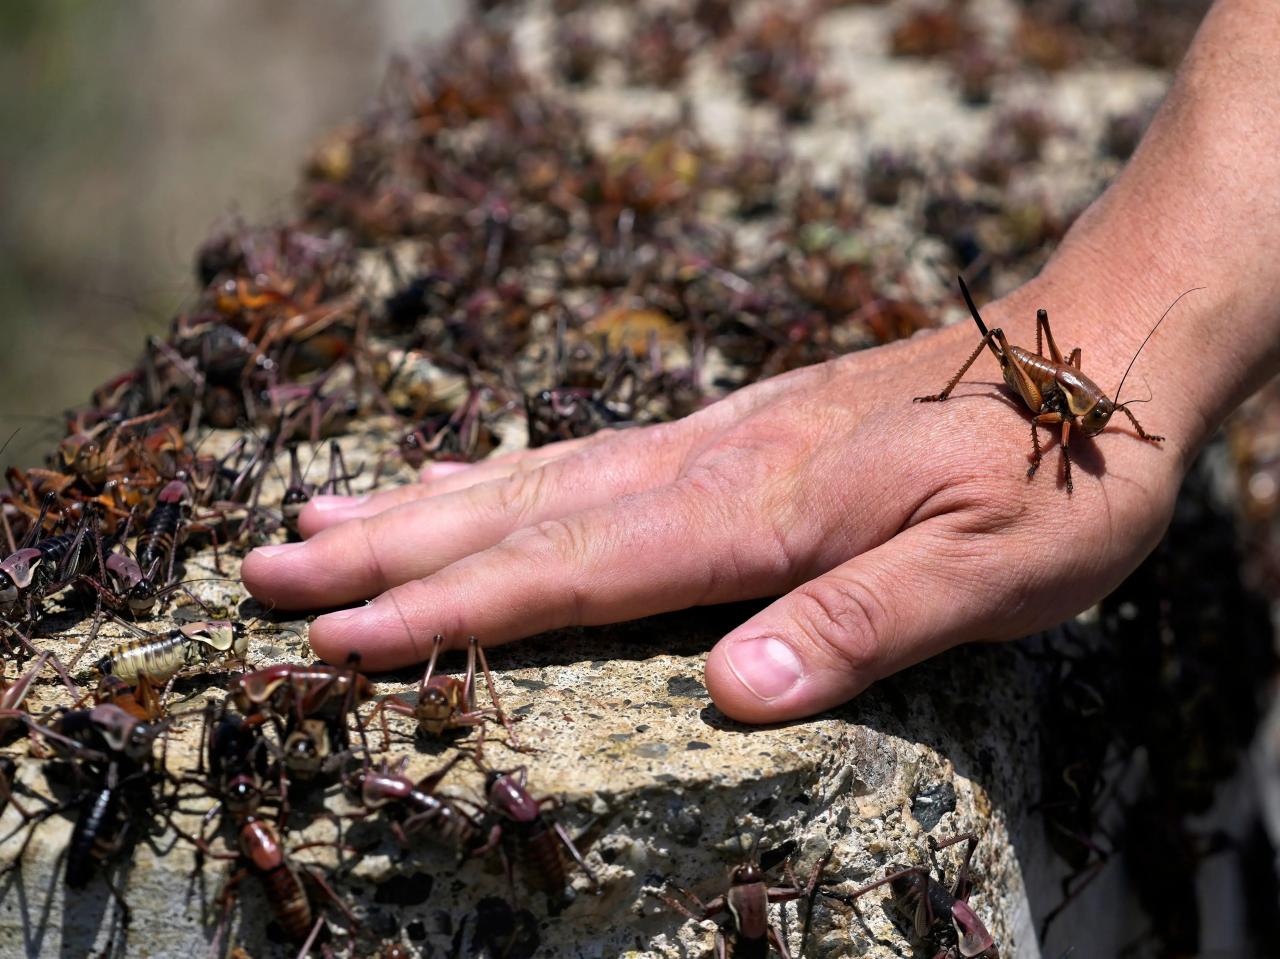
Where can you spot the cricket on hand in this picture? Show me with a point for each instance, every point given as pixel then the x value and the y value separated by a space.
pixel 1054 389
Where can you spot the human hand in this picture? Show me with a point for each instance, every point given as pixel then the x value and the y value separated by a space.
pixel 895 530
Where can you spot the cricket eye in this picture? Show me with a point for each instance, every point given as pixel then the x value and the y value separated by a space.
pixel 1096 419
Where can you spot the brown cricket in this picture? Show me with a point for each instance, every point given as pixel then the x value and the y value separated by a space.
pixel 446 702
pixel 1055 390
pixel 749 933
pixel 931 904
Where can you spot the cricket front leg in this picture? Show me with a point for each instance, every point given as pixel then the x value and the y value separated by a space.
pixel 396 705
pixel 795 890
pixel 482 716
pixel 1142 434
pixel 851 898
pixel 512 740
pixel 567 841
pixel 816 871
pixel 673 903
pixel 1066 454
pixel 89 640
pixel 706 910
pixel 1043 419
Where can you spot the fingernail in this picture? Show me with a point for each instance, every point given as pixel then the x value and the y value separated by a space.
pixel 271 552
pixel 441 470
pixel 325 504
pixel 767 667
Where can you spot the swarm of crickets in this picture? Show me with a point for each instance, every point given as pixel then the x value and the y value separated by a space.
pixel 538 275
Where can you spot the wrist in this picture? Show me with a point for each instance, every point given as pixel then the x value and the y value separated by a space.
pixel 1214 347
pixel 1194 208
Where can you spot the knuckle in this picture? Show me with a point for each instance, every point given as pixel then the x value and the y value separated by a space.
pixel 552 541
pixel 751 520
pixel 375 571
pixel 560 546
pixel 976 498
pixel 761 557
pixel 713 481
pixel 659 438
pixel 518 495
pixel 990 506
pixel 778 551
pixel 842 621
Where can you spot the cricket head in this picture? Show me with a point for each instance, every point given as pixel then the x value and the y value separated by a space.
pixel 141 596
pixel 242 794
pixel 1097 417
pixel 746 874
pixel 125 733
pixel 8 590
pixel 438 703
pixel 307 748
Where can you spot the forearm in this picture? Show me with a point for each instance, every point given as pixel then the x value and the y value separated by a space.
pixel 1198 206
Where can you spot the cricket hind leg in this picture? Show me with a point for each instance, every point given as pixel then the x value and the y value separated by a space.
pixel 1045 335
pixel 988 339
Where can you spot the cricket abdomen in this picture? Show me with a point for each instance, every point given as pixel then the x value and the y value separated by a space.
pixel 1042 370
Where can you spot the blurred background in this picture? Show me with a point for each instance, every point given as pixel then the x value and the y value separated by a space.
pixel 129 131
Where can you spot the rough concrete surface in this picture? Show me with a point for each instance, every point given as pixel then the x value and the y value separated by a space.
pixel 660 785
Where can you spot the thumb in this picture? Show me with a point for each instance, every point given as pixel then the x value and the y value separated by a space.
pixel 826 641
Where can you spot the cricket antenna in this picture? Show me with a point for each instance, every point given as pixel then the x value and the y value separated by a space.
pixel 10 439
pixel 1149 335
